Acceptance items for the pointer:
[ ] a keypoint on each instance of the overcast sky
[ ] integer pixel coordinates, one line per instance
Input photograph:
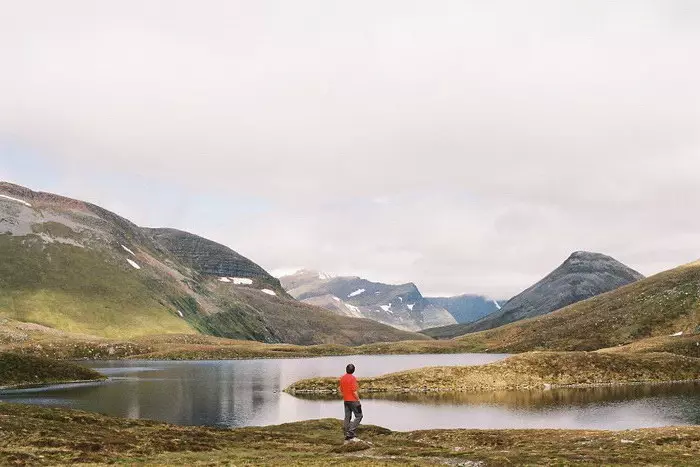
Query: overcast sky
(467, 146)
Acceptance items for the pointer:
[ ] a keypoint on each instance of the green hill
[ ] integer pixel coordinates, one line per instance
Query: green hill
(661, 305)
(75, 267)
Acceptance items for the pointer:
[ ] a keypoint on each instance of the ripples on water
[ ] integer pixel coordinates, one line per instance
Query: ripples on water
(247, 392)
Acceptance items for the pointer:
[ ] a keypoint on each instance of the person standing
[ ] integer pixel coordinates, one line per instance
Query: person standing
(351, 399)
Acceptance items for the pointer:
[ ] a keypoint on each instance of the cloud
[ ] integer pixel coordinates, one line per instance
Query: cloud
(467, 146)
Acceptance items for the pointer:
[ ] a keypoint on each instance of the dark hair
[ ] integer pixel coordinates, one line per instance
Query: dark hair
(350, 369)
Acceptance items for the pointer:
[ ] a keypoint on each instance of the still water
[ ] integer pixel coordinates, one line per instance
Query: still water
(248, 392)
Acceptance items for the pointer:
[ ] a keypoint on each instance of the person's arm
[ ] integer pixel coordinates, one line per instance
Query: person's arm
(356, 393)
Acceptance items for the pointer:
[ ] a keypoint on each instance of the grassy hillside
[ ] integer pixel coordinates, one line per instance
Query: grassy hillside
(535, 370)
(78, 290)
(20, 370)
(660, 305)
(42, 436)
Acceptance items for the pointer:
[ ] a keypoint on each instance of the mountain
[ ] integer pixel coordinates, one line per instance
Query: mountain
(401, 306)
(76, 267)
(467, 308)
(665, 307)
(213, 259)
(581, 276)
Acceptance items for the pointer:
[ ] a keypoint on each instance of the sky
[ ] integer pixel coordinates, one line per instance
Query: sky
(466, 146)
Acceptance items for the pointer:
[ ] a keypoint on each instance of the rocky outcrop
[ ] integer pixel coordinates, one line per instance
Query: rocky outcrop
(210, 258)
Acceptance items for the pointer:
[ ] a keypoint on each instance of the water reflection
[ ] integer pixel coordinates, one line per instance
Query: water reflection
(248, 392)
(537, 399)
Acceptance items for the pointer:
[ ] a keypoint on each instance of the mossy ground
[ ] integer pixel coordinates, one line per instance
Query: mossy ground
(41, 436)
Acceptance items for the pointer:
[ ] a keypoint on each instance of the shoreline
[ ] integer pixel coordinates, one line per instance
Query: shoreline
(547, 387)
(527, 371)
(50, 384)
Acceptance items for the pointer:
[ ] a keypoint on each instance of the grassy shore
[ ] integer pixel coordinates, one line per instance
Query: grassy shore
(22, 370)
(201, 347)
(535, 370)
(41, 436)
(31, 339)
(688, 345)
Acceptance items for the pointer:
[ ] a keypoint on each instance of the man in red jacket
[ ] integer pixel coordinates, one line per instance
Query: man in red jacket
(351, 398)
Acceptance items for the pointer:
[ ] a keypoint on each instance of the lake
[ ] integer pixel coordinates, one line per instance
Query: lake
(237, 393)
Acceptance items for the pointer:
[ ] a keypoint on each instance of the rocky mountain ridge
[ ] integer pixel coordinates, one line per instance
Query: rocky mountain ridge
(583, 275)
(401, 306)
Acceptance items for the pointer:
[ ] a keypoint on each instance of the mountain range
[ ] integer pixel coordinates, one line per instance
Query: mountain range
(658, 314)
(583, 275)
(76, 267)
(401, 306)
(467, 308)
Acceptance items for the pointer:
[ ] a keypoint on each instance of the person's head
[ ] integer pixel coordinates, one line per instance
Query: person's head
(350, 369)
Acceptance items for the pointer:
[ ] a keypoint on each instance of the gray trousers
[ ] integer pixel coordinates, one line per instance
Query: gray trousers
(349, 427)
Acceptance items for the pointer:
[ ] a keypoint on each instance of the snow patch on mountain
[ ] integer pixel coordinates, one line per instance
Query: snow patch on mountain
(497, 305)
(128, 250)
(16, 200)
(410, 306)
(385, 307)
(356, 293)
(133, 264)
(268, 291)
(224, 279)
(242, 281)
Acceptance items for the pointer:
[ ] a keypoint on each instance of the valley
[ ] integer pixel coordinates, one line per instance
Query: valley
(151, 311)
